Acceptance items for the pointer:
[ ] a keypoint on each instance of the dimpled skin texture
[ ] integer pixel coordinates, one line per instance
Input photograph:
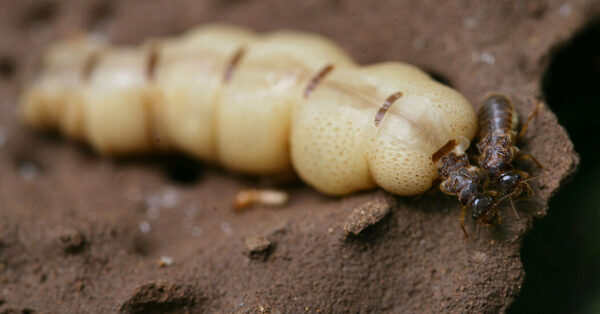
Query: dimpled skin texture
(254, 113)
(258, 121)
(337, 148)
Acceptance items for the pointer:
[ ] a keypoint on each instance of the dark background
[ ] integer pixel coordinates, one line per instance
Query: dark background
(561, 255)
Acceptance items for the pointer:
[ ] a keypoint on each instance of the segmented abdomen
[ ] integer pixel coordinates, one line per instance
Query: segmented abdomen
(249, 102)
(496, 113)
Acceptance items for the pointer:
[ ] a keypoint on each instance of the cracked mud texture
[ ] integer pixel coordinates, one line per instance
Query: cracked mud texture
(83, 233)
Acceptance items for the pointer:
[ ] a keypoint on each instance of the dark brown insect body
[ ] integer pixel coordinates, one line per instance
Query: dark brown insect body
(497, 123)
(466, 182)
(497, 132)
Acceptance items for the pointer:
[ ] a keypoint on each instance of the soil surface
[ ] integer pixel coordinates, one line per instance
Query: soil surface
(82, 233)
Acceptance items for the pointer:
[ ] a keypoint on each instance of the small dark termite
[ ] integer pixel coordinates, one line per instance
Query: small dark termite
(498, 122)
(465, 181)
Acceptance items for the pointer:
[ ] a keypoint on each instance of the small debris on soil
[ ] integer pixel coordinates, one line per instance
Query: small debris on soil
(28, 170)
(267, 197)
(366, 215)
(145, 227)
(72, 241)
(165, 261)
(258, 246)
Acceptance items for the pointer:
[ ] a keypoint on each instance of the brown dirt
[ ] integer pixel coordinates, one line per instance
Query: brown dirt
(71, 222)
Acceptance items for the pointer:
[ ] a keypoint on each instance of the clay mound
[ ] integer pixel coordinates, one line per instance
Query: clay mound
(81, 233)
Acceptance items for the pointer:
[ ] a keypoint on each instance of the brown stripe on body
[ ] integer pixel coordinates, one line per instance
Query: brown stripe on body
(90, 65)
(366, 101)
(496, 113)
(233, 63)
(317, 79)
(386, 105)
(448, 147)
(153, 59)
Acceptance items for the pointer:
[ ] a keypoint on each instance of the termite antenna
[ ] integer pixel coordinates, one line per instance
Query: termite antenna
(317, 79)
(386, 105)
(500, 200)
(536, 177)
(530, 157)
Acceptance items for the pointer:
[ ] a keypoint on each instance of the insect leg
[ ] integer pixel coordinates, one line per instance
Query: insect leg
(461, 220)
(535, 161)
(512, 204)
(531, 116)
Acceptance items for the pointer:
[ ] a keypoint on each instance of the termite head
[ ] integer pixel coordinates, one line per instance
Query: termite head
(496, 160)
(514, 183)
(484, 209)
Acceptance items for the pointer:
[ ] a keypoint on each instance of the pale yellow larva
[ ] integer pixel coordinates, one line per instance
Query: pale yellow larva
(252, 103)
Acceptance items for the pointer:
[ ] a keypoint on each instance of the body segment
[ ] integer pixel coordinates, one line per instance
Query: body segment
(498, 122)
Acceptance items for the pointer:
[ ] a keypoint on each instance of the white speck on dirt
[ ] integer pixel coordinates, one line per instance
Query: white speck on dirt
(484, 57)
(145, 227)
(564, 10)
(28, 170)
(226, 228)
(191, 210)
(169, 199)
(480, 257)
(470, 23)
(165, 261)
(196, 232)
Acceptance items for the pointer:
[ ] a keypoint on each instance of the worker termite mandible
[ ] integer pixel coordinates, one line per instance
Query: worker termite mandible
(254, 104)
